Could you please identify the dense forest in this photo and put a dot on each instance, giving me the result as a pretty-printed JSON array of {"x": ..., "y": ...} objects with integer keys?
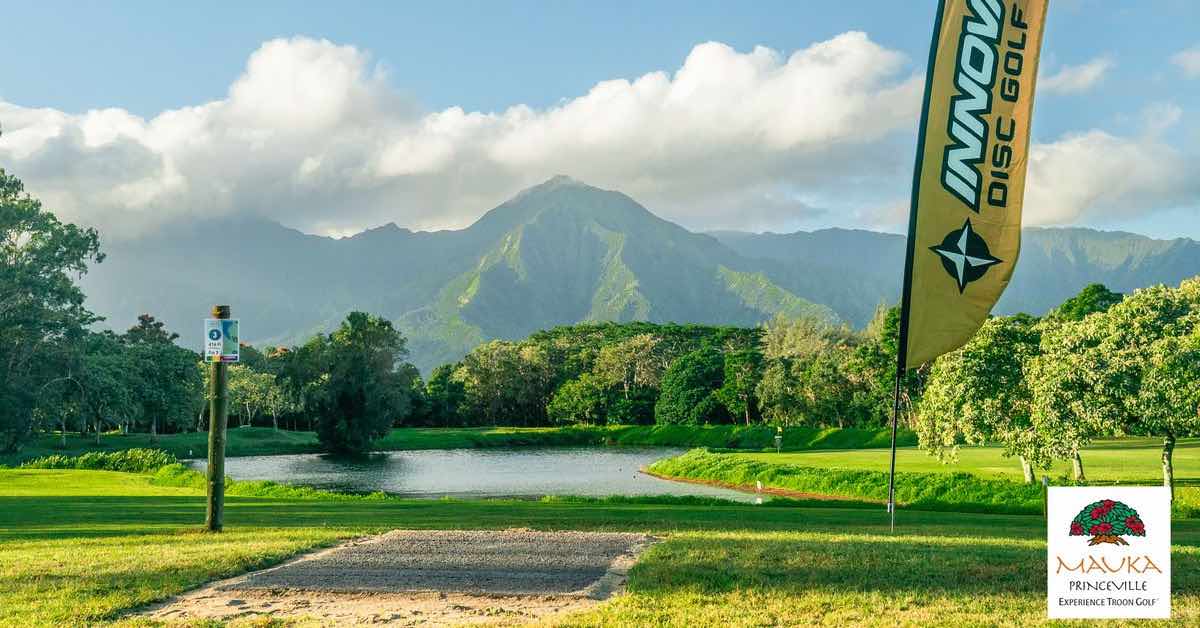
[{"x": 1101, "y": 364}]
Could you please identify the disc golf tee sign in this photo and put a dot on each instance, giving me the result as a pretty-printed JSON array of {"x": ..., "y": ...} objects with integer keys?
[{"x": 221, "y": 340}]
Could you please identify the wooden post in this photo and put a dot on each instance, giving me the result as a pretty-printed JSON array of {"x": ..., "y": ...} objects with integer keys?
[{"x": 218, "y": 415}]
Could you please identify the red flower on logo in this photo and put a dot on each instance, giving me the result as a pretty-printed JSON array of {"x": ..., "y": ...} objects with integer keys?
[{"x": 1107, "y": 521}]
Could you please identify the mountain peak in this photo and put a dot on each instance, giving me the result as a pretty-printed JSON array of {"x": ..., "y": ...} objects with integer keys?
[{"x": 562, "y": 179}]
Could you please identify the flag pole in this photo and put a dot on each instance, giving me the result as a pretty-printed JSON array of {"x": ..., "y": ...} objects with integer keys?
[
  {"x": 901, "y": 353},
  {"x": 910, "y": 251}
]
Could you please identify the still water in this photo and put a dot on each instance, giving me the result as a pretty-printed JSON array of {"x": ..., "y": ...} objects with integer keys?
[{"x": 525, "y": 472}]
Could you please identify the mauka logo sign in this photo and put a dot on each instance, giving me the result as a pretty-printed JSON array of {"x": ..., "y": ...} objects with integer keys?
[{"x": 1109, "y": 553}]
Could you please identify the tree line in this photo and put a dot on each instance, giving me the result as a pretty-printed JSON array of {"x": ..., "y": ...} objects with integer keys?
[
  {"x": 58, "y": 373},
  {"x": 1102, "y": 364},
  {"x": 787, "y": 372}
]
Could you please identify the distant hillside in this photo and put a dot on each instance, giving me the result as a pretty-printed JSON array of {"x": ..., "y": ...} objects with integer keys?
[
  {"x": 562, "y": 252},
  {"x": 1054, "y": 264}
]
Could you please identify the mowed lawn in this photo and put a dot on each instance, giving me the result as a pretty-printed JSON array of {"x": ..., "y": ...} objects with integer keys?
[
  {"x": 84, "y": 547},
  {"x": 1123, "y": 460}
]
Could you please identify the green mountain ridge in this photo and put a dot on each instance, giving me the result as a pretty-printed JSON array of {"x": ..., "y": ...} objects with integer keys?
[{"x": 561, "y": 253}]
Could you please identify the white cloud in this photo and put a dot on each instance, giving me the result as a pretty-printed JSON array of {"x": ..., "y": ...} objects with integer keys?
[
  {"x": 1097, "y": 176},
  {"x": 313, "y": 134},
  {"x": 1072, "y": 79},
  {"x": 1188, "y": 61}
]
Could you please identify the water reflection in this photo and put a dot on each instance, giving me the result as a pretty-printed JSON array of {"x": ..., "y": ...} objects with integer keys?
[{"x": 525, "y": 472}]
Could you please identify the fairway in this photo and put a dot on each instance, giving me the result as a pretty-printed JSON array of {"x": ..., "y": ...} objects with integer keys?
[
  {"x": 1124, "y": 460},
  {"x": 87, "y": 546}
]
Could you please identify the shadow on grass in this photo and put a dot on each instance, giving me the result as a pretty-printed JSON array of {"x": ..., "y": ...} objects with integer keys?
[
  {"x": 837, "y": 564},
  {"x": 57, "y": 516}
]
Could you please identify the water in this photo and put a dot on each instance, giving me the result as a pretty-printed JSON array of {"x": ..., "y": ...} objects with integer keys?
[{"x": 475, "y": 473}]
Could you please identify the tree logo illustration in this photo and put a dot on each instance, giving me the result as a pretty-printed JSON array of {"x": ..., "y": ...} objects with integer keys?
[{"x": 1106, "y": 521}]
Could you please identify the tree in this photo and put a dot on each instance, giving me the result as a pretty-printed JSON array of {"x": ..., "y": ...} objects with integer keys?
[
  {"x": 1109, "y": 370},
  {"x": 743, "y": 370},
  {"x": 979, "y": 394},
  {"x": 150, "y": 330},
  {"x": 779, "y": 394},
  {"x": 1093, "y": 298},
  {"x": 631, "y": 363},
  {"x": 445, "y": 396},
  {"x": 106, "y": 377},
  {"x": 689, "y": 386},
  {"x": 1169, "y": 398},
  {"x": 277, "y": 401},
  {"x": 506, "y": 381},
  {"x": 249, "y": 391},
  {"x": 585, "y": 399},
  {"x": 42, "y": 314},
  {"x": 827, "y": 394},
  {"x": 359, "y": 385},
  {"x": 164, "y": 380},
  {"x": 802, "y": 338}
]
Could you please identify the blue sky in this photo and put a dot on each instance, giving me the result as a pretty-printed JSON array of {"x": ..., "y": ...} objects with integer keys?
[{"x": 148, "y": 58}]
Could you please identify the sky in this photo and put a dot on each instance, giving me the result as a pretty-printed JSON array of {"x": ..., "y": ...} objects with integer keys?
[{"x": 717, "y": 115}]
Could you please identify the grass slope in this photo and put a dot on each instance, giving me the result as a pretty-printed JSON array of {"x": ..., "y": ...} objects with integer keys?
[
  {"x": 982, "y": 480},
  {"x": 258, "y": 441},
  {"x": 83, "y": 547},
  {"x": 1127, "y": 459},
  {"x": 960, "y": 492}
]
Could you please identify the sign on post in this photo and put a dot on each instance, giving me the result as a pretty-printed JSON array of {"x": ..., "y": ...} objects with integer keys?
[{"x": 221, "y": 340}]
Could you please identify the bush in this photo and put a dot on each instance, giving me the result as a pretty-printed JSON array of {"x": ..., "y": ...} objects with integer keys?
[{"x": 128, "y": 460}]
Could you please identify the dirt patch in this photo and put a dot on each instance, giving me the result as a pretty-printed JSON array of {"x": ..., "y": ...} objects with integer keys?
[{"x": 427, "y": 578}]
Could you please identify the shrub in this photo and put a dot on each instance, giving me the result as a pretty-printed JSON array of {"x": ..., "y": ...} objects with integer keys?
[{"x": 128, "y": 460}]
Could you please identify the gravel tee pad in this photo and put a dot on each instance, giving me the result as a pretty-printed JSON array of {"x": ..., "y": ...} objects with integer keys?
[
  {"x": 478, "y": 562},
  {"x": 426, "y": 577}
]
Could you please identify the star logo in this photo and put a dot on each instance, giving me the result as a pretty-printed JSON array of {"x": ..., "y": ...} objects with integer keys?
[{"x": 964, "y": 255}]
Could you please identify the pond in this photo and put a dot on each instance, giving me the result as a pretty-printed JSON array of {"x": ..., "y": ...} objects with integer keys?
[{"x": 475, "y": 473}]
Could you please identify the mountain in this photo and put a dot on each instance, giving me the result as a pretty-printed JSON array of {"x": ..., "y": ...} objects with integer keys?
[
  {"x": 1055, "y": 264},
  {"x": 559, "y": 253}
]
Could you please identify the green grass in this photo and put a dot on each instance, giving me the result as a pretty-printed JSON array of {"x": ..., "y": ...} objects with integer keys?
[
  {"x": 982, "y": 480},
  {"x": 83, "y": 547},
  {"x": 258, "y": 441},
  {"x": 1127, "y": 459},
  {"x": 960, "y": 492}
]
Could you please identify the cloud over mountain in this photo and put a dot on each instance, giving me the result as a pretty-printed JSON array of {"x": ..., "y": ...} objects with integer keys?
[
  {"x": 314, "y": 134},
  {"x": 317, "y": 136}
]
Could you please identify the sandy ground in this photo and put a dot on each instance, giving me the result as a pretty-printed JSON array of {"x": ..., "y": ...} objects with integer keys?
[{"x": 425, "y": 578}]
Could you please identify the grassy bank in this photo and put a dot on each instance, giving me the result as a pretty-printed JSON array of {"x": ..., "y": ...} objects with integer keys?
[
  {"x": 960, "y": 488},
  {"x": 959, "y": 492},
  {"x": 1116, "y": 460},
  {"x": 83, "y": 547},
  {"x": 259, "y": 441}
]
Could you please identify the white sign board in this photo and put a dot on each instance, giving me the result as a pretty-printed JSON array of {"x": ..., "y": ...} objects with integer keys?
[
  {"x": 221, "y": 340},
  {"x": 1109, "y": 552}
]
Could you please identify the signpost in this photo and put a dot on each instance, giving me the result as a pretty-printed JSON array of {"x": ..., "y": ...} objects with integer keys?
[
  {"x": 221, "y": 338},
  {"x": 220, "y": 348}
]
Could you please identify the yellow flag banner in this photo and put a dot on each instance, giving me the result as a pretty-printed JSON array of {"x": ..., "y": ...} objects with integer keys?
[{"x": 964, "y": 230}]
